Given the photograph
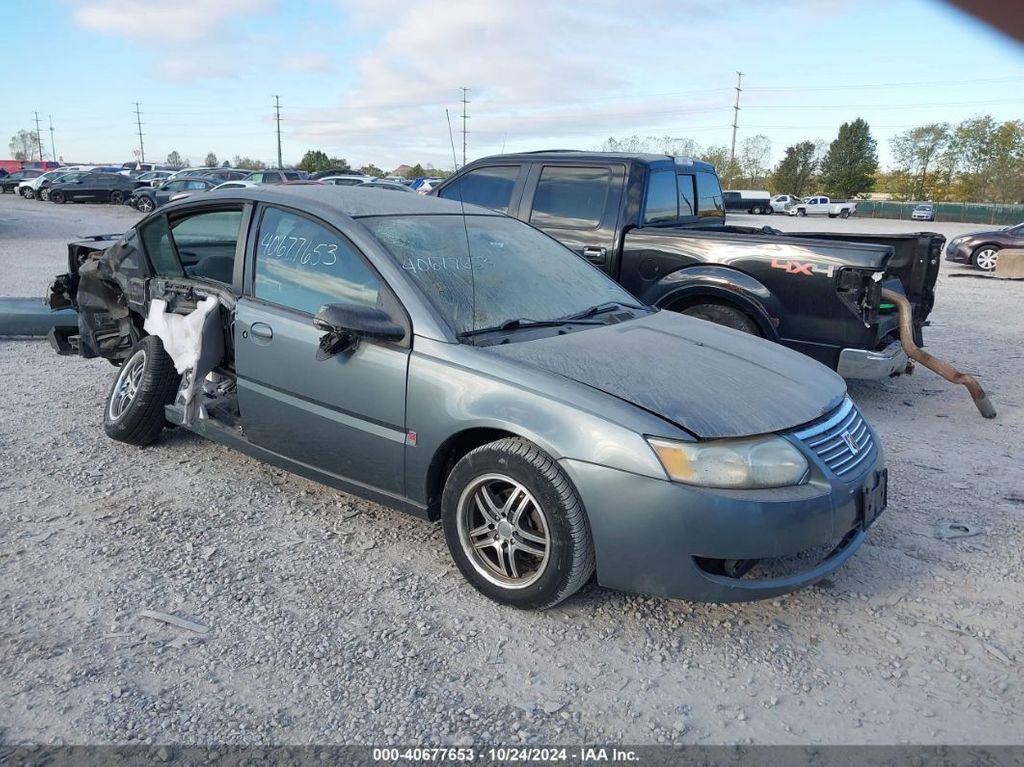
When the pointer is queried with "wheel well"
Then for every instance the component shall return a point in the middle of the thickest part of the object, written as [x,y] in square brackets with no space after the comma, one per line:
[450,453]
[685,302]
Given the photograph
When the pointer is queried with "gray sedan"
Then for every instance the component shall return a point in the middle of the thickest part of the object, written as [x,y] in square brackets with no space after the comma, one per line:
[462,366]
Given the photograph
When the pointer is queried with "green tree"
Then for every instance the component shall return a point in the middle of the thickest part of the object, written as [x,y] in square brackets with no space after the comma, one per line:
[850,165]
[247,163]
[915,153]
[416,171]
[1008,163]
[211,160]
[728,169]
[755,153]
[175,160]
[794,173]
[24,145]
[315,160]
[372,170]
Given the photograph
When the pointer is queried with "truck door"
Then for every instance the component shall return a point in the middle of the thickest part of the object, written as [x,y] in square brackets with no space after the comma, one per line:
[579,206]
[344,415]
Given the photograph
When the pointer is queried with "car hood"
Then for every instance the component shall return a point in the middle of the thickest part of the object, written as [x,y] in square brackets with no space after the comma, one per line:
[710,380]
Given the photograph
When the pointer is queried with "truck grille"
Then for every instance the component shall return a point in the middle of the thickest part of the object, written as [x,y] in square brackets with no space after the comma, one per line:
[842,441]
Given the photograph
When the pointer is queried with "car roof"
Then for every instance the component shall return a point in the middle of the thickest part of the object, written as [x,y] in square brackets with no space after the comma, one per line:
[351,201]
[575,155]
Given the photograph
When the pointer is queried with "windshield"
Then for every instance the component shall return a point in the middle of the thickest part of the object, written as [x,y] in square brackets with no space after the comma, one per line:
[518,272]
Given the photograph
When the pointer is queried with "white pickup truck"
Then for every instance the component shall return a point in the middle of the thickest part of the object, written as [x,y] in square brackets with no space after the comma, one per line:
[820,206]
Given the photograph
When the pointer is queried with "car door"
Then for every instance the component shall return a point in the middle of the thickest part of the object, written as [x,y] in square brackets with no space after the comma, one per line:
[344,415]
[578,205]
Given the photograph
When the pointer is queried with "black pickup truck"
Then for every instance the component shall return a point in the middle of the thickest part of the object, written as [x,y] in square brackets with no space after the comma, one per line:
[657,225]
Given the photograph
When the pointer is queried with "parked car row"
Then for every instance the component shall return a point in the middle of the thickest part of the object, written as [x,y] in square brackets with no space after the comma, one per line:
[759,202]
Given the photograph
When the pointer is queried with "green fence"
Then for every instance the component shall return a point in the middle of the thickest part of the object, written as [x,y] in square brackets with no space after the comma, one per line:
[964,212]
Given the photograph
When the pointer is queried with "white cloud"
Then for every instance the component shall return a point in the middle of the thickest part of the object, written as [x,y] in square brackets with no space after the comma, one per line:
[146,21]
[317,63]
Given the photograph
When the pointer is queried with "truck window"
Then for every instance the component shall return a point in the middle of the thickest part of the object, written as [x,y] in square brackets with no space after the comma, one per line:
[570,198]
[686,196]
[488,187]
[709,195]
[662,200]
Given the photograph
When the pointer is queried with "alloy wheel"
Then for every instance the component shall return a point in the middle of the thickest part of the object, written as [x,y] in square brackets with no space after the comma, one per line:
[504,531]
[127,385]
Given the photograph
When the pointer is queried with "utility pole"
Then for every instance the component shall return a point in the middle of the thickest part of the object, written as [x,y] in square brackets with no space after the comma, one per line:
[736,117]
[53,148]
[277,111]
[39,138]
[138,121]
[464,118]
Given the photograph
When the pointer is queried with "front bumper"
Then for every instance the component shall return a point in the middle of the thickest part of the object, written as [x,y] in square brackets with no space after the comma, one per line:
[958,253]
[863,363]
[655,537]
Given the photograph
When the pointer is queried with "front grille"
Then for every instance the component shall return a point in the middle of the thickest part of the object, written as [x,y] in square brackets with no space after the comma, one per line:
[842,441]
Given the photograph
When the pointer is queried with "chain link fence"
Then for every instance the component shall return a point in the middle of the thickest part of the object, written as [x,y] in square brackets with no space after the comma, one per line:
[962,212]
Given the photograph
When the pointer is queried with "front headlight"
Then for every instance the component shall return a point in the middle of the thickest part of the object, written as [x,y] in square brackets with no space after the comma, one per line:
[732,463]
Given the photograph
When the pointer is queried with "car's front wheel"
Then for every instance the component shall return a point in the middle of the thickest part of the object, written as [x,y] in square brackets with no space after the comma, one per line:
[146,382]
[144,203]
[986,257]
[26,192]
[515,526]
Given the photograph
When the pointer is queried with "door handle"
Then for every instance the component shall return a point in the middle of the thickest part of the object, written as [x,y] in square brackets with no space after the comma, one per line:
[595,254]
[261,332]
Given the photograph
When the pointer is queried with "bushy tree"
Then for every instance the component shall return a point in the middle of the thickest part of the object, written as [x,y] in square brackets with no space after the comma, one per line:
[916,152]
[794,173]
[719,156]
[24,145]
[372,170]
[175,159]
[247,163]
[850,165]
[755,153]
[315,160]
[211,160]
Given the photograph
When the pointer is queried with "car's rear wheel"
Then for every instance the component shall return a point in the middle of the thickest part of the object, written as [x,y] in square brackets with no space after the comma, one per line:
[844,214]
[144,203]
[756,210]
[801,212]
[515,526]
[57,196]
[720,314]
[116,198]
[146,382]
[986,257]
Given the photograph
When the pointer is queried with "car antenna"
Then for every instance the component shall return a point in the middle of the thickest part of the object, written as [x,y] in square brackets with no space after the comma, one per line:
[465,227]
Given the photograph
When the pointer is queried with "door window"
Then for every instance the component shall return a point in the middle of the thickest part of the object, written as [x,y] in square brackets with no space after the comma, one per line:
[487,187]
[303,265]
[662,198]
[709,195]
[200,245]
[570,198]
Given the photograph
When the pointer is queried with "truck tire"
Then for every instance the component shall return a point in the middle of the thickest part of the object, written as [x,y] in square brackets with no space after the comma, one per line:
[515,526]
[844,214]
[720,314]
[801,211]
[756,210]
[146,382]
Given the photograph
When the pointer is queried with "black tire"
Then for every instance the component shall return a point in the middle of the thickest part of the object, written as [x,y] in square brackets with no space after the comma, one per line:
[844,214]
[801,212]
[44,195]
[557,509]
[26,192]
[138,419]
[116,198]
[720,314]
[756,210]
[57,196]
[144,203]
[985,257]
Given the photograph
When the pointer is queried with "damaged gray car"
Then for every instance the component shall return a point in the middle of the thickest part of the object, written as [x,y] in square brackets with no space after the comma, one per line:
[459,365]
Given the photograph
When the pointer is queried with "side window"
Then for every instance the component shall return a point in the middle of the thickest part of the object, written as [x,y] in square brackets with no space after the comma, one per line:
[686,195]
[156,239]
[487,187]
[662,201]
[206,243]
[709,195]
[570,198]
[303,265]
[195,185]
[256,178]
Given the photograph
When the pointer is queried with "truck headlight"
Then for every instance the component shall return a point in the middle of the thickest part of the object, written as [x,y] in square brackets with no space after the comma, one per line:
[732,463]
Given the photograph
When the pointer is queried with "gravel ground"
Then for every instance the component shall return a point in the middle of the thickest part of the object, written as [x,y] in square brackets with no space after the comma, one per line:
[334,620]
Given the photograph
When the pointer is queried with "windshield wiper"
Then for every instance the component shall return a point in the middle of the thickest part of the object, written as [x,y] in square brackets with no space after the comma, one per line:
[523,323]
[601,309]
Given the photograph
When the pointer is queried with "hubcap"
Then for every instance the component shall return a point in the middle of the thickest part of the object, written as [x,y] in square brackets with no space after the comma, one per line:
[503,531]
[987,259]
[127,385]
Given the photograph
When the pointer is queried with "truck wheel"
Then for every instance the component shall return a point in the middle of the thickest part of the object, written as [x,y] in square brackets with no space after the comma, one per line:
[720,314]
[146,383]
[801,212]
[756,210]
[844,214]
[515,526]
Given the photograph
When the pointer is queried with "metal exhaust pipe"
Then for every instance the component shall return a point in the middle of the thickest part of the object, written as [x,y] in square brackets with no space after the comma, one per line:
[944,369]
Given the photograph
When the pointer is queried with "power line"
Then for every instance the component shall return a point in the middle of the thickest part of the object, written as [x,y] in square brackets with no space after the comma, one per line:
[277,114]
[138,122]
[53,148]
[39,138]
[736,116]
[464,118]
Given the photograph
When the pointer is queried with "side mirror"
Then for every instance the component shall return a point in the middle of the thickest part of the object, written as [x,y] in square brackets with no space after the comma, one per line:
[344,326]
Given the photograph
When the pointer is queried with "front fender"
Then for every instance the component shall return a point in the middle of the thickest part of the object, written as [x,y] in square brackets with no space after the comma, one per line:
[688,285]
